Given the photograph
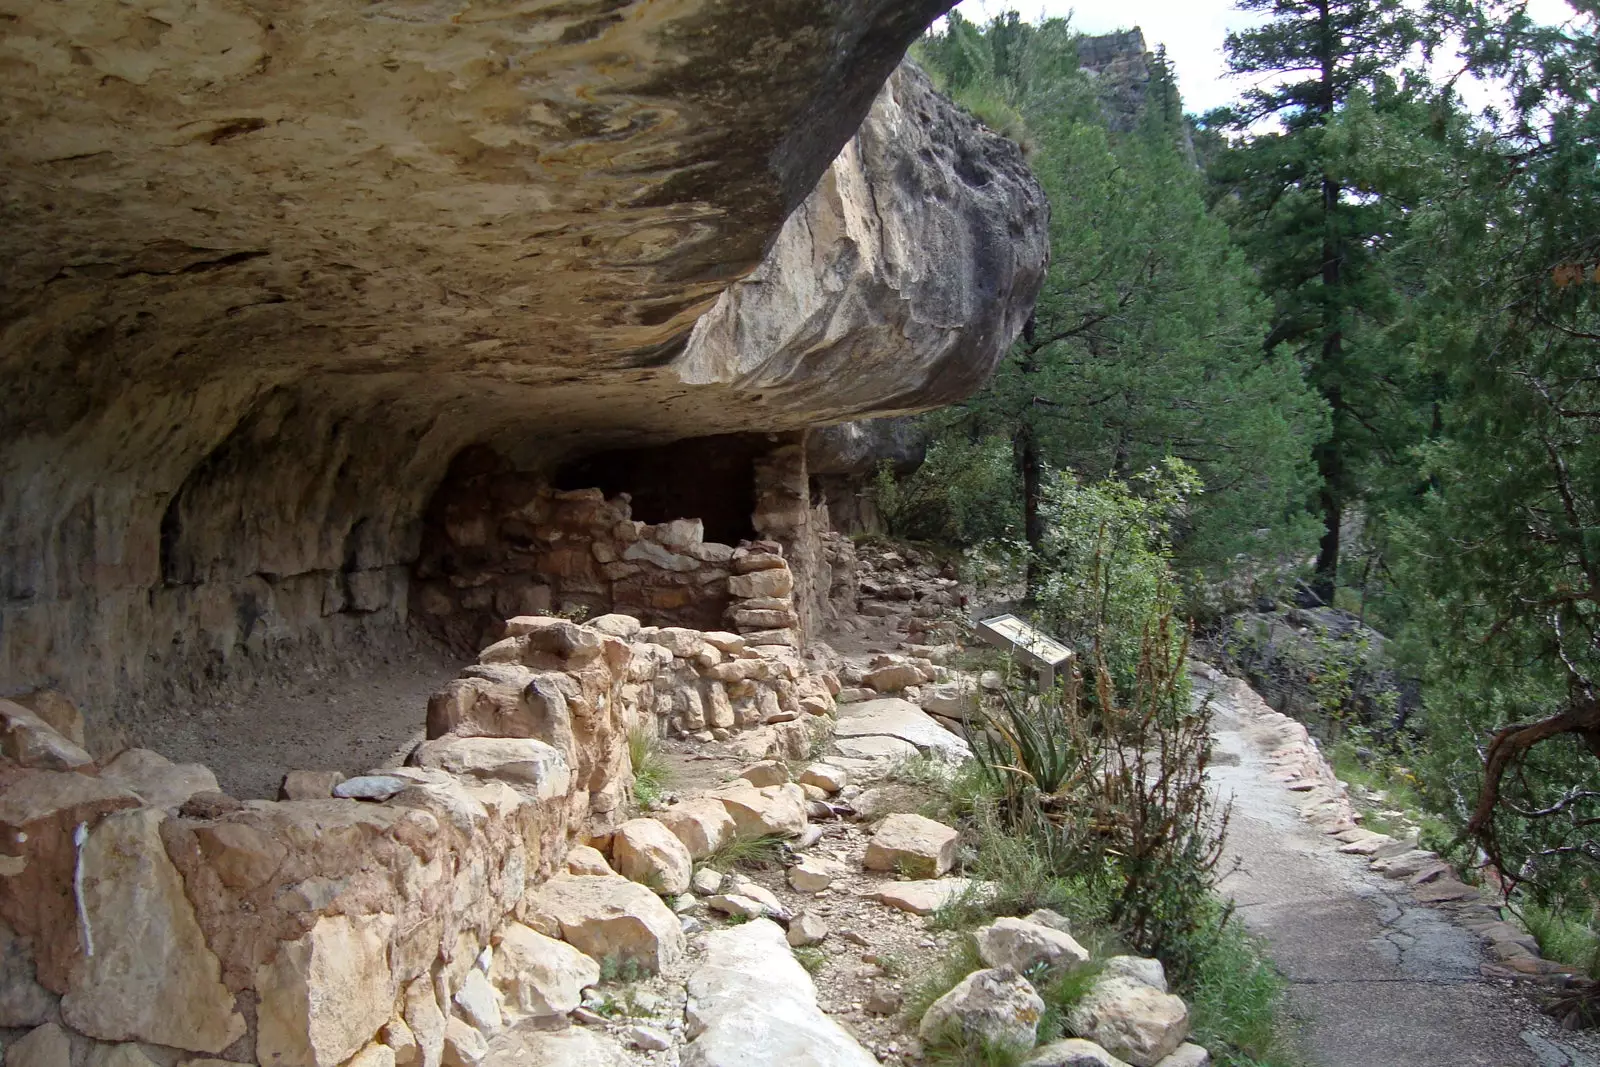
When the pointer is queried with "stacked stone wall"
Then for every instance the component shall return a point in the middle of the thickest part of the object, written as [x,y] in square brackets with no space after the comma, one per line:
[352,920]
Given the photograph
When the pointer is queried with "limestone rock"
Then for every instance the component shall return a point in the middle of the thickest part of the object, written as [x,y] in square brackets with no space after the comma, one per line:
[891,717]
[43,1046]
[704,825]
[1187,1055]
[647,852]
[750,1002]
[738,906]
[826,777]
[912,845]
[23,1001]
[996,1005]
[464,1046]
[765,773]
[617,625]
[1137,968]
[813,874]
[1022,945]
[539,976]
[523,761]
[891,678]
[378,787]
[772,582]
[922,897]
[647,1038]
[1131,1020]
[808,928]
[324,996]
[752,890]
[1046,917]
[157,780]
[32,742]
[1072,1052]
[574,1047]
[607,918]
[581,859]
[775,810]
[53,707]
[956,699]
[152,976]
[309,785]
[426,1020]
[479,1002]
[243,856]
[402,1042]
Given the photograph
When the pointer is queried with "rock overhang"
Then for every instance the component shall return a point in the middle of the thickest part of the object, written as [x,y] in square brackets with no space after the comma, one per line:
[267,269]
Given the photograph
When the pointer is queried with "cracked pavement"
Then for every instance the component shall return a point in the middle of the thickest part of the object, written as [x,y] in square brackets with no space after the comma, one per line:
[1375,979]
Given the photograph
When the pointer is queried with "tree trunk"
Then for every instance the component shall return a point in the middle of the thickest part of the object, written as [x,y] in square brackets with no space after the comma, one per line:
[1330,454]
[1025,449]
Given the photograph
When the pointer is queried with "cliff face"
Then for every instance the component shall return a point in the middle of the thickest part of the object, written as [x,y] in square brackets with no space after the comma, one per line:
[266,271]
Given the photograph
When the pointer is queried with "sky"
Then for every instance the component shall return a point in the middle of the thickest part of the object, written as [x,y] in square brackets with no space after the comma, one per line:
[1192,30]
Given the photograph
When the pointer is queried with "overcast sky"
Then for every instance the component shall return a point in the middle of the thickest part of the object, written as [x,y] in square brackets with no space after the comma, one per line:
[1192,30]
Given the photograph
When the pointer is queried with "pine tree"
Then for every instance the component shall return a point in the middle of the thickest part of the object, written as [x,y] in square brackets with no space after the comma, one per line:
[1319,200]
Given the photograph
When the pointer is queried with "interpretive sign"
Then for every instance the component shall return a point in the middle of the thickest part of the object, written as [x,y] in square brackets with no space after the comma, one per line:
[1044,654]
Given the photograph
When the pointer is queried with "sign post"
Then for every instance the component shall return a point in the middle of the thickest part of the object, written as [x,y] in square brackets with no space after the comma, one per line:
[1044,654]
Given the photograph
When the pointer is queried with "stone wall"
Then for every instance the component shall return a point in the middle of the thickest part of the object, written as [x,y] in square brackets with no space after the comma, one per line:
[140,909]
[500,542]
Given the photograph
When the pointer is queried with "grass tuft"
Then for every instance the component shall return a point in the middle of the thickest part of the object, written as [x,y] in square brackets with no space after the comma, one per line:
[651,773]
[751,853]
[946,973]
[812,958]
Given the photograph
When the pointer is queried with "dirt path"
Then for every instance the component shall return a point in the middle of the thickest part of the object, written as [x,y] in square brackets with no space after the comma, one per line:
[1375,979]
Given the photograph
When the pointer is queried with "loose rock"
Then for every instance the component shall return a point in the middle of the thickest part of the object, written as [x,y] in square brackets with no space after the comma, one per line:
[646,852]
[1131,1020]
[912,845]
[998,1006]
[1022,945]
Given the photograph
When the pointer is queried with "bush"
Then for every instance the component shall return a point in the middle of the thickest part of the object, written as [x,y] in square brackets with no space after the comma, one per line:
[963,494]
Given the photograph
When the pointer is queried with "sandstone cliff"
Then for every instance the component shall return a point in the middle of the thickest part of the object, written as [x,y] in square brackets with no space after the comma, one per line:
[265,274]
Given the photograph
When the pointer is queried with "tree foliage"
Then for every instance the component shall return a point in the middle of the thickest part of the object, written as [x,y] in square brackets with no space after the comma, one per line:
[1145,342]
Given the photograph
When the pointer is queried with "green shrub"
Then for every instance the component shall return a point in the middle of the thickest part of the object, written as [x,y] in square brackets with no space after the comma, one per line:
[652,775]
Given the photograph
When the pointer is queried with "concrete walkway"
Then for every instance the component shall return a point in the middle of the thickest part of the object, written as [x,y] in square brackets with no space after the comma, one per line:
[1376,980]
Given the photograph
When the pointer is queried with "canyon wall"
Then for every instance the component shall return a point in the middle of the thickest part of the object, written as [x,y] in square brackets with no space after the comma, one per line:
[267,272]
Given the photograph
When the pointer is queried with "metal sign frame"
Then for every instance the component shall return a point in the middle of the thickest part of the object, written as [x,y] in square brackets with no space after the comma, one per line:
[1038,650]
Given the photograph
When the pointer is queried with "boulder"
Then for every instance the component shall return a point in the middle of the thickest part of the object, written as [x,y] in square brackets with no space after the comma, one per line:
[778,810]
[464,1045]
[1072,1052]
[243,856]
[824,776]
[891,717]
[43,1046]
[576,1046]
[1187,1055]
[522,761]
[152,976]
[538,976]
[912,845]
[323,996]
[607,918]
[401,1041]
[129,1054]
[1131,1020]
[157,780]
[1140,969]
[479,1002]
[891,678]
[309,785]
[702,824]
[32,742]
[646,852]
[808,928]
[767,772]
[375,1054]
[922,897]
[729,644]
[997,1006]
[750,1002]
[813,874]
[1022,945]
[582,859]
[53,707]
[616,625]
[955,699]
[377,787]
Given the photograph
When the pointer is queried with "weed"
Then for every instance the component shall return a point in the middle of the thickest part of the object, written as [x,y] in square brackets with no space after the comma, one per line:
[1235,999]
[651,772]
[1564,938]
[619,968]
[812,958]
[953,1048]
[893,964]
[752,853]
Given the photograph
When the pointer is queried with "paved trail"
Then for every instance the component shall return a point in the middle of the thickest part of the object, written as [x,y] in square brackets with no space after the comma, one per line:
[1376,980]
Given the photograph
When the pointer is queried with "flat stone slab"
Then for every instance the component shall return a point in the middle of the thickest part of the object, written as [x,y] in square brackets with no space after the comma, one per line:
[897,718]
[750,1002]
[873,749]
[921,897]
